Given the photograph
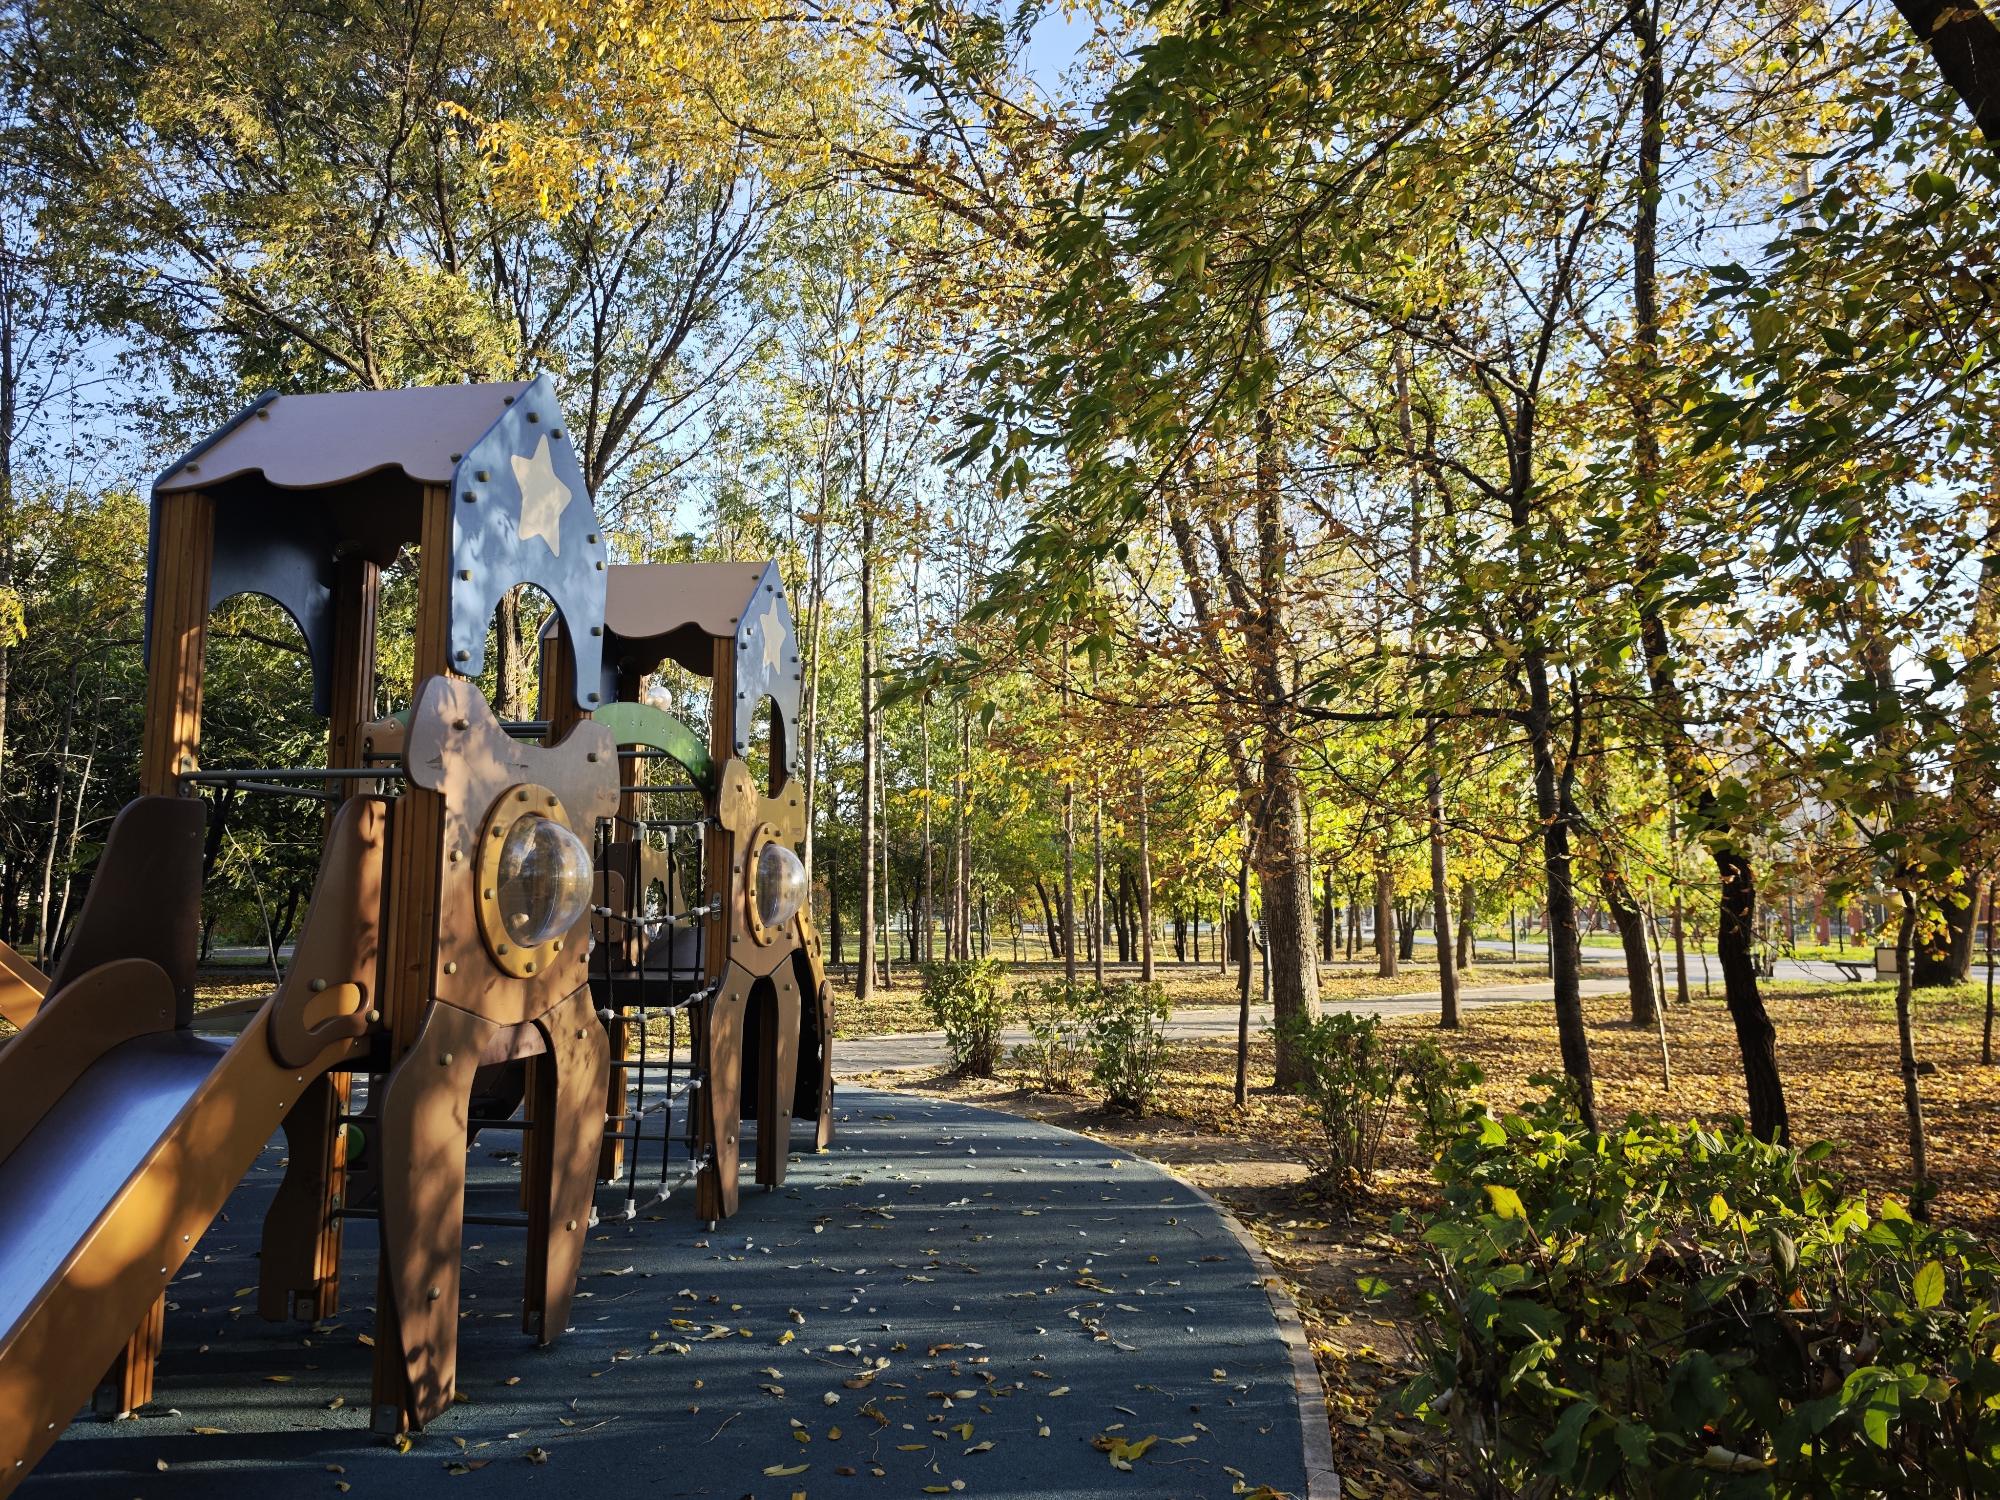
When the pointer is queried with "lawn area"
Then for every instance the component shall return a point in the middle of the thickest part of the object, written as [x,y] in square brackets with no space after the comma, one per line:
[1837,1047]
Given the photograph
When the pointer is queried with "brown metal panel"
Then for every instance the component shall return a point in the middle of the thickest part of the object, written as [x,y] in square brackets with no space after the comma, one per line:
[310,441]
[81,1021]
[571,1080]
[458,750]
[778,1075]
[145,896]
[422,1129]
[111,1279]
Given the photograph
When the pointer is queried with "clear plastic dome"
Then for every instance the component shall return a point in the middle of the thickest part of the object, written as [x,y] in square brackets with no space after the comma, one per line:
[781,885]
[544,882]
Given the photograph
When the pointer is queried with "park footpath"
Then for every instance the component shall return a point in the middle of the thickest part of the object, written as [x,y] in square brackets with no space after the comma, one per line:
[925,1051]
[950,1301]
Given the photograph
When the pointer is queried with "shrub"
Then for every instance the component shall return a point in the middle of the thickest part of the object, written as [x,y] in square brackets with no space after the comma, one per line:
[1057,1054]
[963,997]
[1128,1041]
[1438,1089]
[1667,1310]
[1348,1076]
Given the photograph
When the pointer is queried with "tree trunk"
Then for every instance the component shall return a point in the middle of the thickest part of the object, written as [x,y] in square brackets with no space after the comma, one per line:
[864,982]
[1756,1037]
[1145,890]
[1097,885]
[1631,924]
[929,882]
[1557,814]
[1447,958]
[1385,922]
[1468,918]
[1945,958]
[1906,1053]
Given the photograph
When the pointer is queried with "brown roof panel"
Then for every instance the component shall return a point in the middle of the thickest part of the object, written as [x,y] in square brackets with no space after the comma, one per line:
[311,442]
[650,599]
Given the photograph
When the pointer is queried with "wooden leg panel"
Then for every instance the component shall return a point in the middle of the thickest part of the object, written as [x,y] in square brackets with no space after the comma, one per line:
[779,1063]
[299,1265]
[721,1061]
[423,1124]
[567,1145]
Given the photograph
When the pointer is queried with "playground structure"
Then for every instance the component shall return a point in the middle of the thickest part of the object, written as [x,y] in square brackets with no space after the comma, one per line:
[504,913]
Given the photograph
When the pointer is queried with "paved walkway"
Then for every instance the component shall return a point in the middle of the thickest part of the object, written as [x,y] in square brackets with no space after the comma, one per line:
[949,1301]
[911,1051]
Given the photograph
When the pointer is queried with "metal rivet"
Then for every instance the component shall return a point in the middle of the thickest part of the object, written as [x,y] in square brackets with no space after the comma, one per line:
[465,656]
[554,803]
[600,565]
[591,696]
[461,723]
[558,945]
[534,416]
[444,1059]
[374,1016]
[572,1225]
[318,985]
[434,1293]
[597,630]
[468,497]
[455,856]
[522,794]
[530,967]
[465,575]
[451,967]
[555,432]
[591,756]
[456,457]
[194,468]
[263,414]
[489,893]
[501,948]
[591,537]
[482,476]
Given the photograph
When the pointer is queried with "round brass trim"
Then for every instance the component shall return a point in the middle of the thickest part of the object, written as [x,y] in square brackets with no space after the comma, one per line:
[517,962]
[762,834]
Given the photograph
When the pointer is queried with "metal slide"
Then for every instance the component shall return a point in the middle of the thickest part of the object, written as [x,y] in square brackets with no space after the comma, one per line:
[123,1131]
[106,1197]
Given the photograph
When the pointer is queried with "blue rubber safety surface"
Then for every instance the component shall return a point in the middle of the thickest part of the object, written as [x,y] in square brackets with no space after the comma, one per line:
[950,1301]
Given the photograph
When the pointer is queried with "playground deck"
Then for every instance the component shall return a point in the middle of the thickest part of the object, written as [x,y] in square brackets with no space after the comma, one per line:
[1025,1298]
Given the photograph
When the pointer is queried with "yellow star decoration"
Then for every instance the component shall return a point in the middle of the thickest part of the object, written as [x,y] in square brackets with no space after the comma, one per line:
[544,497]
[774,636]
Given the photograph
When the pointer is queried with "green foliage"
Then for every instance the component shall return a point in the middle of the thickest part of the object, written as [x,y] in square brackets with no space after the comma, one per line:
[1665,1310]
[1128,1040]
[1057,1054]
[963,997]
[1348,1076]
[1437,1088]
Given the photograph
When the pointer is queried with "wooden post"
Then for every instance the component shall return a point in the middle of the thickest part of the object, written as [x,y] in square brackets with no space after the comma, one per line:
[409,942]
[170,743]
[723,706]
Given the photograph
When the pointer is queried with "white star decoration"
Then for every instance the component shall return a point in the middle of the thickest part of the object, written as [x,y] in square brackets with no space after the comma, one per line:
[774,636]
[544,497]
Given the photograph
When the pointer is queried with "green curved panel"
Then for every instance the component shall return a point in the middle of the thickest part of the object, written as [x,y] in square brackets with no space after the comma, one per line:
[642,724]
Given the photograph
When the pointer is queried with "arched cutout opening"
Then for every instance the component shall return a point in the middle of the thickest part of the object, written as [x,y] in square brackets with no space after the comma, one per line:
[511,679]
[262,844]
[673,689]
[765,751]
